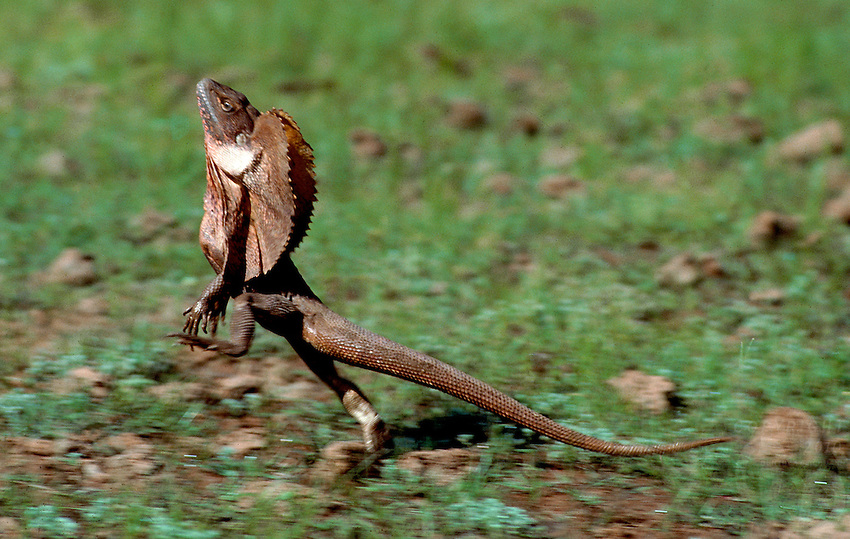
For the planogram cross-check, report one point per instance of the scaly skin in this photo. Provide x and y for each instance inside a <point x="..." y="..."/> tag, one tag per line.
<point x="276" y="296"/>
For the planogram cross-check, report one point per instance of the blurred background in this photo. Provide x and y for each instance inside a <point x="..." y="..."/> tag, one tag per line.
<point x="543" y="195"/>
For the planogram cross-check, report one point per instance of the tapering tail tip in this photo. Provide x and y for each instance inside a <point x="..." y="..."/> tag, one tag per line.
<point x="661" y="449"/>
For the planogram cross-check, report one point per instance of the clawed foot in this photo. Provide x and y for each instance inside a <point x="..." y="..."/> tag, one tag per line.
<point x="377" y="437"/>
<point x="193" y="340"/>
<point x="204" y="343"/>
<point x="206" y="312"/>
<point x="201" y="316"/>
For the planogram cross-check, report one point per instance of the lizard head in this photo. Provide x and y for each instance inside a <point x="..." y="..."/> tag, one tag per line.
<point x="260" y="182"/>
<point x="228" y="119"/>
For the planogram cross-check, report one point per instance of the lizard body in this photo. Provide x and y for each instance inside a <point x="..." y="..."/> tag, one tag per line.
<point x="259" y="197"/>
<point x="257" y="209"/>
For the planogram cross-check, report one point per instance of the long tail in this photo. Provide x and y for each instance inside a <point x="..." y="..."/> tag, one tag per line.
<point x="348" y="343"/>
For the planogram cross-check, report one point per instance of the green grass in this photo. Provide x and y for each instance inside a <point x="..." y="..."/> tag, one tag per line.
<point x="112" y="86"/>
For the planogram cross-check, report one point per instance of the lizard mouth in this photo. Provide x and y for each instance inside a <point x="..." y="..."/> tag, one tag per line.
<point x="205" y="105"/>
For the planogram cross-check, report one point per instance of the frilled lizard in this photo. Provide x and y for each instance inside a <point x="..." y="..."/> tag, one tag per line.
<point x="257" y="208"/>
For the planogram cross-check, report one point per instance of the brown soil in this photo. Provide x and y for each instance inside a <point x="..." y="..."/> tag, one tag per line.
<point x="590" y="499"/>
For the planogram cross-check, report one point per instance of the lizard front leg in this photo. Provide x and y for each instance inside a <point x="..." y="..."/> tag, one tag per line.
<point x="208" y="309"/>
<point x="280" y="314"/>
<point x="241" y="331"/>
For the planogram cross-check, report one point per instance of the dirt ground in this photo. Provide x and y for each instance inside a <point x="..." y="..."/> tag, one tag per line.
<point x="588" y="499"/>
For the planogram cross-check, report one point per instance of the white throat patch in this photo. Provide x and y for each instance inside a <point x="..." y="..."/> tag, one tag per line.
<point x="234" y="159"/>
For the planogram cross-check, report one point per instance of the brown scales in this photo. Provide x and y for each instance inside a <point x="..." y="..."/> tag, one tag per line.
<point x="274" y="197"/>
<point x="257" y="208"/>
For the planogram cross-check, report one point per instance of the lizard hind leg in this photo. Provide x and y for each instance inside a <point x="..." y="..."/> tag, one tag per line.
<point x="376" y="436"/>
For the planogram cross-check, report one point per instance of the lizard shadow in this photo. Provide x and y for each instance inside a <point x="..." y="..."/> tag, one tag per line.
<point x="458" y="429"/>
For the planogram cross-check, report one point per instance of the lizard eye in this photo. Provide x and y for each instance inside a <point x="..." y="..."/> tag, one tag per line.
<point x="226" y="105"/>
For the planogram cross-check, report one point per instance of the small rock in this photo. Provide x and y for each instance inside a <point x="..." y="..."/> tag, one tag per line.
<point x="786" y="436"/>
<point x="150" y="223"/>
<point x="712" y="129"/>
<point x="176" y="391"/>
<point x="647" y="392"/>
<point x="412" y="155"/>
<point x="825" y="529"/>
<point x="659" y="177"/>
<point x="519" y="77"/>
<point x="338" y="459"/>
<point x="803" y="528"/>
<point x="838" y="208"/>
<point x="366" y="144"/>
<point x="681" y="270"/>
<point x="769" y="226"/>
<point x="89" y="376"/>
<point x="54" y="163"/>
<point x="83" y="99"/>
<point x="772" y="296"/>
<point x="711" y="267"/>
<point x="521" y="262"/>
<point x="465" y="114"/>
<point x="92" y="306"/>
<point x="751" y="129"/>
<point x="526" y="123"/>
<point x="731" y="129"/>
<point x="736" y="90"/>
<point x="15" y="381"/>
<point x="439" y="58"/>
<point x="73" y="443"/>
<point x="10" y="528"/>
<point x="741" y="334"/>
<point x="411" y="193"/>
<point x="541" y="363"/>
<point x="297" y="391"/>
<point x="91" y="380"/>
<point x="243" y="441"/>
<point x="235" y="387"/>
<point x="812" y="239"/>
<point x="92" y="471"/>
<point x="560" y="186"/>
<point x="35" y="446"/>
<point x="560" y="157"/>
<point x="837" y="174"/>
<point x="837" y="453"/>
<point x="613" y="259"/>
<point x="64" y="386"/>
<point x="501" y="183"/>
<point x="275" y="491"/>
<point x="8" y="79"/>
<point x="438" y="288"/>
<point x="125" y="466"/>
<point x="688" y="269"/>
<point x="441" y="466"/>
<point x="813" y="141"/>
<point x="127" y="441"/>
<point x="133" y="458"/>
<point x="72" y="268"/>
